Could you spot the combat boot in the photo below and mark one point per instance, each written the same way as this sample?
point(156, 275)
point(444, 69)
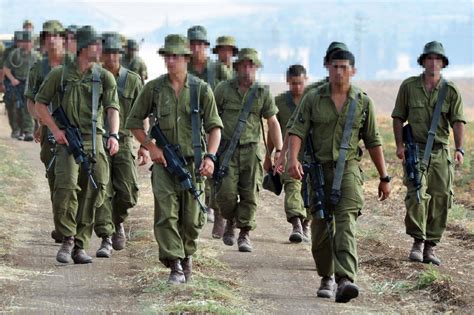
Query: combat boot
point(28, 137)
point(118, 238)
point(296, 235)
point(416, 252)
point(244, 240)
point(346, 290)
point(176, 274)
point(187, 265)
point(326, 288)
point(229, 234)
point(105, 249)
point(210, 215)
point(219, 226)
point(64, 252)
point(15, 134)
point(56, 236)
point(429, 254)
point(80, 256)
point(306, 230)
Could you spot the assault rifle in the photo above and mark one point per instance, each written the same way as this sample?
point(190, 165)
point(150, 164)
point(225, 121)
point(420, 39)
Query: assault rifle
point(176, 164)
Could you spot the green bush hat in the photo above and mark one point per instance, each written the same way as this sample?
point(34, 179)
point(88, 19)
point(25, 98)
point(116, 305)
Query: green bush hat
point(226, 41)
point(433, 47)
point(332, 48)
point(72, 29)
point(248, 54)
point(272, 183)
point(132, 44)
point(85, 36)
point(111, 43)
point(23, 36)
point(198, 32)
point(52, 27)
point(175, 44)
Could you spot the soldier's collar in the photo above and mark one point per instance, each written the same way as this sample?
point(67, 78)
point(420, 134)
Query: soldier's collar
point(186, 81)
point(326, 91)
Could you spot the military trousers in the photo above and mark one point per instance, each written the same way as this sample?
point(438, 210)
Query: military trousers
point(427, 220)
point(294, 206)
point(178, 220)
point(11, 112)
point(74, 197)
point(238, 194)
point(121, 192)
point(46, 156)
point(339, 258)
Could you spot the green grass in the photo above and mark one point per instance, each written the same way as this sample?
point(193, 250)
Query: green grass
point(458, 213)
point(391, 286)
point(428, 277)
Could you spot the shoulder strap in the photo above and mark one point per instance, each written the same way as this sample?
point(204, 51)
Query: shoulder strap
point(244, 114)
point(122, 79)
point(194, 96)
point(95, 105)
point(341, 160)
point(210, 73)
point(289, 102)
point(434, 122)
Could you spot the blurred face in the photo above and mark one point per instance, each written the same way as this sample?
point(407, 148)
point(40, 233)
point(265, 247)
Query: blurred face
point(198, 48)
point(111, 60)
point(296, 84)
point(246, 71)
point(71, 43)
point(92, 52)
point(176, 64)
point(28, 28)
point(25, 45)
point(341, 72)
point(225, 54)
point(54, 43)
point(433, 64)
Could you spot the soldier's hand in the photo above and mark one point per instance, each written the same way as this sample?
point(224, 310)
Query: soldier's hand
point(401, 153)
point(143, 156)
point(267, 163)
point(295, 169)
point(157, 156)
point(384, 190)
point(280, 164)
point(276, 157)
point(15, 82)
point(60, 137)
point(37, 134)
point(458, 158)
point(112, 145)
point(207, 167)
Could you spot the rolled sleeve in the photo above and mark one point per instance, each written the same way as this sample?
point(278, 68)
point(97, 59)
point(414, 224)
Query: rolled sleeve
point(109, 95)
point(456, 113)
point(269, 108)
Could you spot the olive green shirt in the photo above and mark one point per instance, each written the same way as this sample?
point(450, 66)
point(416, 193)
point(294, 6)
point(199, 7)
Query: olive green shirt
point(416, 105)
point(20, 61)
point(214, 71)
point(318, 113)
point(77, 98)
point(286, 108)
point(315, 85)
point(132, 88)
point(136, 65)
point(173, 114)
point(230, 102)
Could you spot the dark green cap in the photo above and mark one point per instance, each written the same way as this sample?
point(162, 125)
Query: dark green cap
point(433, 47)
point(248, 54)
point(175, 44)
point(111, 42)
point(272, 183)
point(132, 44)
point(333, 47)
point(226, 41)
point(72, 29)
point(198, 32)
point(86, 36)
point(23, 36)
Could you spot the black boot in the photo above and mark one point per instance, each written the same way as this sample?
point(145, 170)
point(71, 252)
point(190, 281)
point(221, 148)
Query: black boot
point(346, 290)
point(65, 251)
point(229, 234)
point(416, 252)
point(187, 265)
point(176, 274)
point(429, 255)
point(105, 249)
point(244, 240)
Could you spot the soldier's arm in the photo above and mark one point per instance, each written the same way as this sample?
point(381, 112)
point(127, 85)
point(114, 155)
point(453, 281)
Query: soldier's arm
point(458, 130)
point(399, 116)
point(8, 73)
point(376, 154)
point(212, 121)
point(141, 108)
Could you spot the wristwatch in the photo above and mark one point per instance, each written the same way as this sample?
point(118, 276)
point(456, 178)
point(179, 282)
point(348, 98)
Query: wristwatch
point(114, 135)
point(386, 179)
point(460, 150)
point(212, 156)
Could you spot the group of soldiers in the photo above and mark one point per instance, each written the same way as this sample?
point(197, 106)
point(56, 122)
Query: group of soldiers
point(201, 125)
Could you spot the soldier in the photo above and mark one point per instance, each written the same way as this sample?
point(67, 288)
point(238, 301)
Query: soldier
point(2, 51)
point(226, 49)
point(8, 97)
point(122, 191)
point(52, 36)
point(71, 43)
point(242, 102)
point(133, 62)
point(178, 219)
point(28, 26)
point(325, 114)
point(16, 68)
point(287, 103)
point(84, 90)
point(416, 104)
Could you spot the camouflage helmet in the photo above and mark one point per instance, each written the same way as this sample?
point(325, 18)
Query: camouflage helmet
point(86, 36)
point(332, 48)
point(272, 183)
point(198, 33)
point(175, 44)
point(111, 42)
point(226, 41)
point(248, 54)
point(23, 36)
point(433, 47)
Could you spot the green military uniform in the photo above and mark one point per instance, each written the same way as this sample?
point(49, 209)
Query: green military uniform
point(293, 200)
point(135, 64)
point(317, 113)
point(178, 219)
point(74, 199)
point(238, 194)
point(226, 41)
point(427, 220)
point(20, 62)
point(214, 73)
point(9, 99)
point(122, 191)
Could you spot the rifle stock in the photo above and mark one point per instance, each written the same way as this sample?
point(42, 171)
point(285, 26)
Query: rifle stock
point(411, 159)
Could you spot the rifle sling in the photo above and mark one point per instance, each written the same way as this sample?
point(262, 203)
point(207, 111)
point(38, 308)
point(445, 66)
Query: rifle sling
point(194, 96)
point(434, 123)
point(95, 106)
